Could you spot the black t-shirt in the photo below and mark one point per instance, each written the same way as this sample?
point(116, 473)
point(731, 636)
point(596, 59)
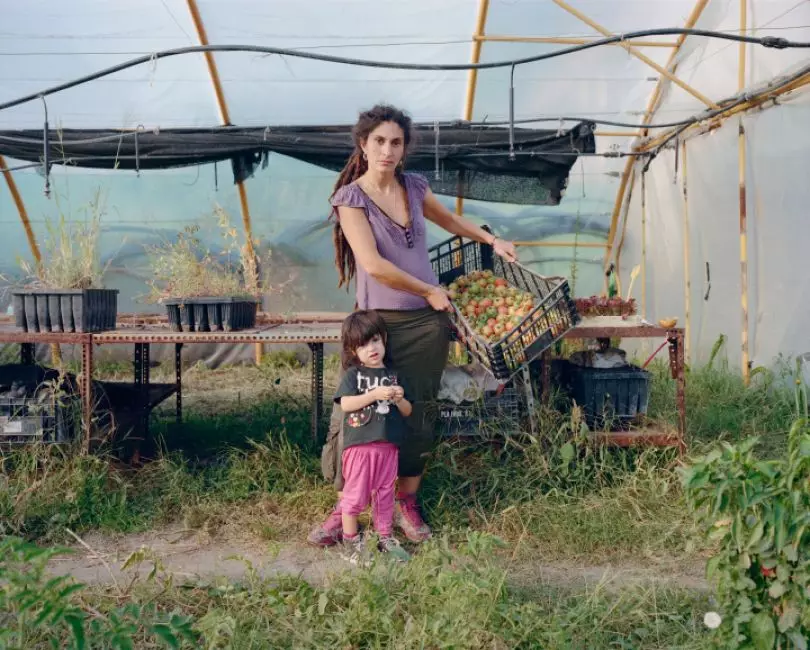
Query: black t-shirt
point(371, 424)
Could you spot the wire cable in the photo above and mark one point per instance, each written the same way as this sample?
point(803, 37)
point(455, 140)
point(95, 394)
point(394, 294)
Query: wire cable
point(740, 99)
point(766, 41)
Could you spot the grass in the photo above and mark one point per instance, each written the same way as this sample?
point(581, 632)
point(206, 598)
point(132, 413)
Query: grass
point(721, 407)
point(451, 595)
point(243, 461)
point(246, 439)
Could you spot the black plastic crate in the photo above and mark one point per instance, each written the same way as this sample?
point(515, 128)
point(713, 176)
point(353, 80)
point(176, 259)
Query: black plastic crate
point(610, 398)
point(211, 314)
point(67, 310)
point(39, 419)
point(554, 314)
point(494, 412)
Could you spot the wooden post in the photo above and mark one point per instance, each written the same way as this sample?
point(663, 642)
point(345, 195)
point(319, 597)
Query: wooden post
point(652, 105)
point(745, 351)
point(644, 244)
point(225, 118)
point(642, 57)
point(687, 280)
point(472, 75)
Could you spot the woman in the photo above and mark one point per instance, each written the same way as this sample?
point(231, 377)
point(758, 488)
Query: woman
point(380, 241)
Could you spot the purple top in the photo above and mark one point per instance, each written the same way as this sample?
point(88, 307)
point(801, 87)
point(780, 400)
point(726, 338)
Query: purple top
point(406, 248)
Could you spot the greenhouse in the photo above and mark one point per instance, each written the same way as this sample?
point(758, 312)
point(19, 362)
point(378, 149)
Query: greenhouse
point(352, 324)
point(715, 248)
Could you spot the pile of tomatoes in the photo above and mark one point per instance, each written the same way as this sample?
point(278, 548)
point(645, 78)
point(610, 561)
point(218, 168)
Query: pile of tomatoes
point(489, 304)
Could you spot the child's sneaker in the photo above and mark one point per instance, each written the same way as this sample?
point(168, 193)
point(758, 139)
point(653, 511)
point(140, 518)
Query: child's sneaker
point(329, 532)
point(353, 550)
point(409, 520)
point(391, 546)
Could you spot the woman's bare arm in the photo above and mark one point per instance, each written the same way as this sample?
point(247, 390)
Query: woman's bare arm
point(358, 234)
point(458, 225)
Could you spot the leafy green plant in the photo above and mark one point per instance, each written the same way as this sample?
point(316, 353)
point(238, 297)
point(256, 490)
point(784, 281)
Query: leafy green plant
point(185, 268)
point(38, 611)
point(757, 512)
point(72, 256)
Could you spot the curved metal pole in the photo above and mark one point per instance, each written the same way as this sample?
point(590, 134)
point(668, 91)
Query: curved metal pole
point(649, 113)
point(472, 75)
point(18, 202)
point(225, 118)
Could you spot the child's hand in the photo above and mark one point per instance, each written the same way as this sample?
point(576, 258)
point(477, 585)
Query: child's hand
point(399, 393)
point(382, 393)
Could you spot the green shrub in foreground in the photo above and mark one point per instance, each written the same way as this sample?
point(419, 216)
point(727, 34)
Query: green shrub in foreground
point(758, 512)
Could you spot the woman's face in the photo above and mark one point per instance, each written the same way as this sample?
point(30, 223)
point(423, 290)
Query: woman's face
point(385, 147)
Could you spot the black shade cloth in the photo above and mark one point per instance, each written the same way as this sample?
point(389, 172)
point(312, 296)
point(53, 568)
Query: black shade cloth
point(458, 159)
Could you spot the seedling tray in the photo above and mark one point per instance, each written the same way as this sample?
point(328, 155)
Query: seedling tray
point(65, 310)
point(211, 314)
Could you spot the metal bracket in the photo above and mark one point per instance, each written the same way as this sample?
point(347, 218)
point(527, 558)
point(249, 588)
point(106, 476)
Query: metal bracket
point(437, 174)
point(512, 113)
point(46, 154)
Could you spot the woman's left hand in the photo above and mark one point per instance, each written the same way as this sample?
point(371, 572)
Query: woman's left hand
point(505, 249)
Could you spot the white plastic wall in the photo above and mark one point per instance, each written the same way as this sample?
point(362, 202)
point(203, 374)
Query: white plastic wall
point(778, 196)
point(43, 43)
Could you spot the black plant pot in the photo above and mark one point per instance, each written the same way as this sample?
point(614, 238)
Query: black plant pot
point(211, 314)
point(65, 310)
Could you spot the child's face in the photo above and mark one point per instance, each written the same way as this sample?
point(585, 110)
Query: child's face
point(372, 353)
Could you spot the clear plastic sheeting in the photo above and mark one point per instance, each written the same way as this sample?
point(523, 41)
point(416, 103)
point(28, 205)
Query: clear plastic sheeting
point(43, 43)
point(777, 192)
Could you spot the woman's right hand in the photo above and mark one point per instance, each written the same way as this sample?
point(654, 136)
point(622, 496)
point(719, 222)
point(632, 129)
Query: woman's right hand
point(438, 298)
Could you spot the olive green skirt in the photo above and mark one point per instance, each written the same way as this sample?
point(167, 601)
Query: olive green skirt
point(418, 345)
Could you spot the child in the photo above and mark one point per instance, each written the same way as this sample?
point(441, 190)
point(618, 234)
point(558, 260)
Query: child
point(372, 431)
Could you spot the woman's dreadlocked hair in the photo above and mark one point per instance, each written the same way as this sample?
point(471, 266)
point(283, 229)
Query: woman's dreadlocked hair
point(354, 169)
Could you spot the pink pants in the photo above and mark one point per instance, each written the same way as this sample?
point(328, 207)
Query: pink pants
point(369, 476)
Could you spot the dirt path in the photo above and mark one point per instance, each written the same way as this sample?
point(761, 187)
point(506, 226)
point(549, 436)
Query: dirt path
point(191, 557)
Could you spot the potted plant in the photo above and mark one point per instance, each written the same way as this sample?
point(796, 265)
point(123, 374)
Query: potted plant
point(204, 292)
point(599, 306)
point(65, 292)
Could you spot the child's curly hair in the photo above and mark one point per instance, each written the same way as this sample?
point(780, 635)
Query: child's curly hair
point(358, 329)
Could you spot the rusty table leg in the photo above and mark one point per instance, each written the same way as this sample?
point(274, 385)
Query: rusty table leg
point(178, 379)
point(141, 367)
point(317, 388)
point(27, 354)
point(86, 388)
point(545, 378)
point(677, 364)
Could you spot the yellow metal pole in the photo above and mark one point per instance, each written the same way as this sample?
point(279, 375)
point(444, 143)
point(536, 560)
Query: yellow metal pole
point(56, 350)
point(625, 212)
point(671, 65)
point(469, 101)
point(743, 258)
point(745, 360)
point(225, 118)
point(639, 55)
point(568, 40)
point(644, 244)
point(618, 134)
point(617, 208)
point(687, 278)
point(754, 102)
point(472, 75)
point(559, 244)
point(18, 203)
